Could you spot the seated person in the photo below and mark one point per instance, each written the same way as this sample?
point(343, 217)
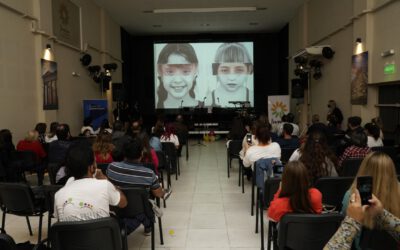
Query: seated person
point(87, 129)
point(103, 148)
point(58, 148)
point(289, 118)
point(155, 142)
point(287, 140)
point(119, 139)
point(373, 132)
point(295, 194)
point(31, 143)
point(359, 148)
point(264, 149)
point(87, 194)
point(131, 172)
point(51, 136)
point(316, 155)
point(353, 222)
point(384, 185)
point(170, 136)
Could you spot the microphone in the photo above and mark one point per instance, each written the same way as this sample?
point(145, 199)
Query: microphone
point(181, 103)
point(204, 98)
point(218, 99)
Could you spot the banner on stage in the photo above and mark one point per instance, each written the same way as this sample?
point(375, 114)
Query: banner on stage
point(278, 105)
point(97, 110)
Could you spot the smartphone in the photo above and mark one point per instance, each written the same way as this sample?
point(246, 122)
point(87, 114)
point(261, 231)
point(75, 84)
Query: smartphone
point(364, 186)
point(248, 138)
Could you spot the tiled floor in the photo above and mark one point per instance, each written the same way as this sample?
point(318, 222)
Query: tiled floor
point(205, 211)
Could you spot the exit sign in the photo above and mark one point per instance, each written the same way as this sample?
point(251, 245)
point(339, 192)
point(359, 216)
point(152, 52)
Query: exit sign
point(389, 69)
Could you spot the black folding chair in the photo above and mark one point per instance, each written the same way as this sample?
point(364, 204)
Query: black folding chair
point(350, 167)
point(391, 151)
point(376, 240)
point(286, 153)
point(333, 190)
point(52, 169)
point(171, 156)
point(138, 203)
point(49, 192)
point(7, 242)
point(232, 152)
point(270, 188)
point(18, 199)
point(27, 161)
point(307, 231)
point(152, 167)
point(99, 234)
point(162, 165)
point(183, 141)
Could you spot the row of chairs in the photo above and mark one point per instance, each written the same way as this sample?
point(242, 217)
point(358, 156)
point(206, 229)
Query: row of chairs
point(19, 199)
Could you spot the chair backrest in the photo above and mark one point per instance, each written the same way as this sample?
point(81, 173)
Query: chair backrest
point(52, 169)
point(286, 153)
point(50, 191)
point(138, 202)
point(103, 167)
point(376, 240)
point(182, 137)
point(389, 150)
point(169, 149)
point(234, 147)
point(333, 189)
point(99, 234)
point(17, 198)
point(27, 158)
point(350, 166)
point(161, 160)
point(7, 242)
point(307, 231)
point(270, 188)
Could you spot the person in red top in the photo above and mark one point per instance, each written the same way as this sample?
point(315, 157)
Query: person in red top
point(31, 143)
point(103, 147)
point(294, 194)
point(149, 155)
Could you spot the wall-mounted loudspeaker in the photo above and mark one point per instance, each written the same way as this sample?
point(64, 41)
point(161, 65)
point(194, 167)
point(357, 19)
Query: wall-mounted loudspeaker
point(297, 88)
point(118, 92)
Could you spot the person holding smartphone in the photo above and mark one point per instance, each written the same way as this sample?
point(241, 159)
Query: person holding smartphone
point(385, 186)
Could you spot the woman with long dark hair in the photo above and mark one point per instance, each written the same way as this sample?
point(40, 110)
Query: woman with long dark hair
point(295, 194)
point(149, 155)
point(177, 67)
point(317, 157)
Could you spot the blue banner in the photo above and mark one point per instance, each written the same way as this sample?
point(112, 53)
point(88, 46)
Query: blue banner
point(97, 110)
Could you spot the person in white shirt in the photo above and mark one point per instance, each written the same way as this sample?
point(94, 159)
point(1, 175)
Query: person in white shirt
point(87, 194)
point(289, 118)
point(169, 135)
point(264, 149)
point(373, 133)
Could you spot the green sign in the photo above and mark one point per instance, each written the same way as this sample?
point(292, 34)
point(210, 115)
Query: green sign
point(389, 69)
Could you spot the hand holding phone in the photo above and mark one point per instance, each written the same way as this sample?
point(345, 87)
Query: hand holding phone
point(248, 139)
point(364, 186)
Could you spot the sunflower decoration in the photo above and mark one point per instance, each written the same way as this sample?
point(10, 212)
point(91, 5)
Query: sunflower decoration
point(279, 109)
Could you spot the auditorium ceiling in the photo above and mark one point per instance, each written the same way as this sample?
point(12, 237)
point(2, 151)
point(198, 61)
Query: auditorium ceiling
point(156, 17)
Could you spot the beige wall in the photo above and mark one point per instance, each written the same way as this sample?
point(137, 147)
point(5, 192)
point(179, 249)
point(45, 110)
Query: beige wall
point(339, 23)
point(20, 52)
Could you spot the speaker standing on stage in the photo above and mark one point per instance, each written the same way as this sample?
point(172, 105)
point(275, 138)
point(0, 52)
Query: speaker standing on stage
point(177, 67)
point(232, 67)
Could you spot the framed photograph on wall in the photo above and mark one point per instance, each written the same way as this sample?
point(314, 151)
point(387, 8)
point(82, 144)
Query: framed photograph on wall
point(67, 22)
point(359, 79)
point(49, 76)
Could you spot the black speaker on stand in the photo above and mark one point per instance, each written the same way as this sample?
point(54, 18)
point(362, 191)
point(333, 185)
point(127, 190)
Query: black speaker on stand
point(298, 87)
point(118, 92)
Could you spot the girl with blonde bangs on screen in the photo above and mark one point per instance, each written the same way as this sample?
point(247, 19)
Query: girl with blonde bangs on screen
point(232, 68)
point(177, 67)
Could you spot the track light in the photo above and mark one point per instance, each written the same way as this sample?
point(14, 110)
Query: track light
point(110, 66)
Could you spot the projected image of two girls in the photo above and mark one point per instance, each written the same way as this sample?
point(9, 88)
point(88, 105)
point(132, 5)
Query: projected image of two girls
point(178, 71)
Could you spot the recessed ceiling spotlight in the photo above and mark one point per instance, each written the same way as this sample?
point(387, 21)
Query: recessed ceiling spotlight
point(205, 24)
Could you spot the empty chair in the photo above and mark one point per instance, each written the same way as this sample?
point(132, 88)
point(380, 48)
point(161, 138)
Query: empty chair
point(99, 234)
point(333, 190)
point(350, 167)
point(233, 149)
point(307, 231)
point(49, 192)
point(18, 199)
point(183, 141)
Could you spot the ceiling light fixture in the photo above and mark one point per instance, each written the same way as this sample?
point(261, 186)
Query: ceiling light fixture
point(204, 10)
